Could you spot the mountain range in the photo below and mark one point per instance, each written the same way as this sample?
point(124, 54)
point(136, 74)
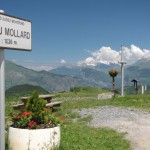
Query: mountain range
point(64, 77)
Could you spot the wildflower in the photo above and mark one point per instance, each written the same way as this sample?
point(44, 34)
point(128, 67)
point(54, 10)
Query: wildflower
point(32, 124)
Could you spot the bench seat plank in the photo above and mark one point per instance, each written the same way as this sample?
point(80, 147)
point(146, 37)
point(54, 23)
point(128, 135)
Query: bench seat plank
point(18, 106)
point(54, 104)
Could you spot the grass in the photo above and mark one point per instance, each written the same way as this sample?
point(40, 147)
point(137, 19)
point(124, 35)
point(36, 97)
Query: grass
point(80, 136)
point(77, 135)
point(136, 101)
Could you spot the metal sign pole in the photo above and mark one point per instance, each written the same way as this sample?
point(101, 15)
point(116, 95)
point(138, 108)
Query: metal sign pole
point(122, 72)
point(2, 100)
point(122, 79)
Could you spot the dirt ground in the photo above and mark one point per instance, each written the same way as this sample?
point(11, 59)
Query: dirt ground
point(135, 123)
point(137, 132)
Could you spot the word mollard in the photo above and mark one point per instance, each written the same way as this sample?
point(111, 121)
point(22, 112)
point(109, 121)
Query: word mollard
point(15, 33)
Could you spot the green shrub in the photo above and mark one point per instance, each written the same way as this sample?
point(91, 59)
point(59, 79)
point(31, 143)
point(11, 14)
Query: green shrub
point(36, 105)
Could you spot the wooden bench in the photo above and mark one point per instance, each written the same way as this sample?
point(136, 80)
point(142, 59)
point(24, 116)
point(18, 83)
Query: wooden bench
point(48, 98)
point(52, 105)
point(19, 106)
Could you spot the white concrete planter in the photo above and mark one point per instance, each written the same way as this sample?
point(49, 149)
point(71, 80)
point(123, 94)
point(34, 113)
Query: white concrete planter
point(37, 139)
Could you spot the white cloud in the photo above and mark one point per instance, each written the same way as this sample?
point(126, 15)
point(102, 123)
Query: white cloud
point(104, 55)
point(135, 53)
point(13, 60)
point(63, 61)
point(38, 66)
point(107, 55)
point(90, 61)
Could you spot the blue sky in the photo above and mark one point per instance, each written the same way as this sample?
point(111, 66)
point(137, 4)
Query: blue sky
point(81, 31)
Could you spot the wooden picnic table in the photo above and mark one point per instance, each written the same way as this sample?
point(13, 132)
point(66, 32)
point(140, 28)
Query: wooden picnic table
point(47, 97)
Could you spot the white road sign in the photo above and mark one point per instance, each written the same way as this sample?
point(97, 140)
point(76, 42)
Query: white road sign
point(15, 33)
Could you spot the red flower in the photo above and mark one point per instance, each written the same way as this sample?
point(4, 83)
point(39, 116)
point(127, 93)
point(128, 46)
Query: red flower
point(54, 115)
point(18, 116)
point(32, 124)
point(63, 120)
point(60, 117)
point(26, 113)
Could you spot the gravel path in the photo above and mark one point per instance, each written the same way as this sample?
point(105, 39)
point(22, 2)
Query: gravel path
point(134, 122)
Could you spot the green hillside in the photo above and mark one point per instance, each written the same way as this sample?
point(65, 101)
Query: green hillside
point(17, 75)
point(23, 90)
